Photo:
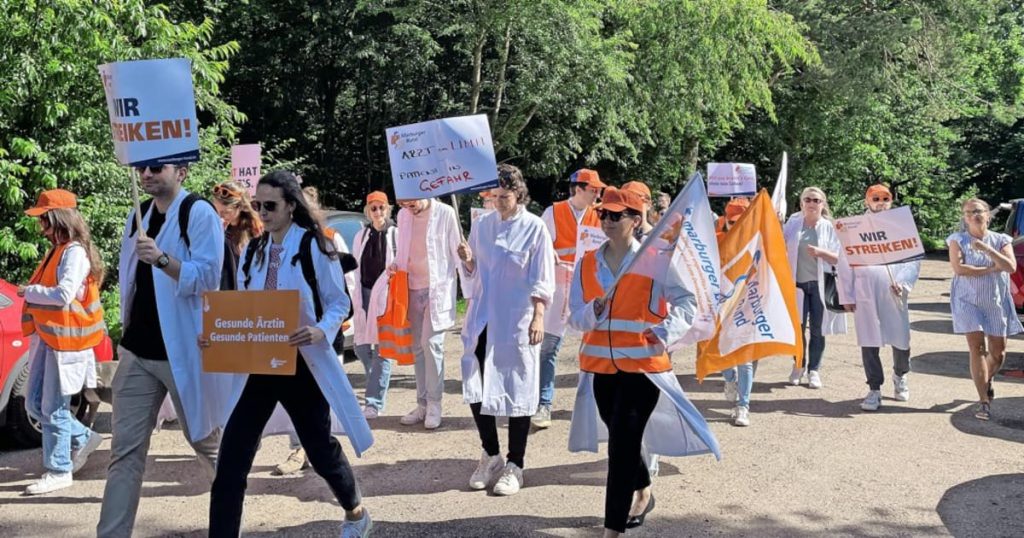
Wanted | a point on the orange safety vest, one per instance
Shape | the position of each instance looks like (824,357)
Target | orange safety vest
(618,344)
(394,333)
(75,327)
(565,229)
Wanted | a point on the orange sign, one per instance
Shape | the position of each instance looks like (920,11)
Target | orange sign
(248,331)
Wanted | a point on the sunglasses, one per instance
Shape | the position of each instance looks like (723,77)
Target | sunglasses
(879,199)
(152,169)
(269,206)
(224,192)
(813,200)
(614,216)
(378,207)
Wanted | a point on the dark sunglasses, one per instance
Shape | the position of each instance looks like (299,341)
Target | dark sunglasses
(156,169)
(224,192)
(259,206)
(614,216)
(877,199)
(812,200)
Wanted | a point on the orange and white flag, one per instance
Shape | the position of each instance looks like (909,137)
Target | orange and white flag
(759,317)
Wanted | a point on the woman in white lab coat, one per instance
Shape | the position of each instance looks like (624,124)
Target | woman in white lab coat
(813,248)
(319,385)
(878,297)
(509,269)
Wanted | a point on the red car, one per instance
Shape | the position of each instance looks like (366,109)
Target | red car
(14,419)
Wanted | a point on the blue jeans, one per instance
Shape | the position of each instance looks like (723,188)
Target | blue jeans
(745,372)
(548,353)
(378,371)
(814,309)
(62,432)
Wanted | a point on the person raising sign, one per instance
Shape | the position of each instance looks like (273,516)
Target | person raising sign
(319,384)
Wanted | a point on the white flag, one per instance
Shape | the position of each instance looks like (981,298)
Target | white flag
(779,193)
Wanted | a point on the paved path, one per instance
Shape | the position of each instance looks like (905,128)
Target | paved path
(811,463)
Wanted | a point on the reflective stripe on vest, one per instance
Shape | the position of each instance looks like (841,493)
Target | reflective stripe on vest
(75,327)
(394,333)
(566,230)
(618,344)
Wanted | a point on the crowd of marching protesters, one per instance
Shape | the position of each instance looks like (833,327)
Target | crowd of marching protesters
(527,280)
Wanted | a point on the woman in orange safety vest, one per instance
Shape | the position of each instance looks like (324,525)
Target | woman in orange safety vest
(627,324)
(63,316)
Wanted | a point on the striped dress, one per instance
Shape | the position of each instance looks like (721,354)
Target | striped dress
(982,303)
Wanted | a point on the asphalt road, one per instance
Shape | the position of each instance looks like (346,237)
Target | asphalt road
(810,464)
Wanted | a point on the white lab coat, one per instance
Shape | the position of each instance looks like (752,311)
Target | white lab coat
(365,326)
(515,262)
(832,322)
(676,427)
(882,318)
(556,319)
(76,369)
(320,357)
(206,397)
(443,238)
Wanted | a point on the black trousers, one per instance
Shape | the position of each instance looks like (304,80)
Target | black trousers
(310,414)
(487,425)
(625,402)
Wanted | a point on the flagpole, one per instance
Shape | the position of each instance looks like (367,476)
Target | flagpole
(133,174)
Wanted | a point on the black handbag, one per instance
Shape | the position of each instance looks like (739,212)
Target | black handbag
(832,293)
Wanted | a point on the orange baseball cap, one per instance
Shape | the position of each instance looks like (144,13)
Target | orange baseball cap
(735,208)
(485,194)
(638,188)
(53,199)
(620,200)
(377,196)
(877,190)
(588,176)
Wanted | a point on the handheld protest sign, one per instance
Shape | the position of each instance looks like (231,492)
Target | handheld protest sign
(246,164)
(248,331)
(440,157)
(731,179)
(880,238)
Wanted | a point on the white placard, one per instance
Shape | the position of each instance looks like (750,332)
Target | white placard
(880,238)
(731,179)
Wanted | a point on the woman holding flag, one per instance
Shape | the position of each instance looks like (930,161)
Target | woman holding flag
(812,246)
(626,376)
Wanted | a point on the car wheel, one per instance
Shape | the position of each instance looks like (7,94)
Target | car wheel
(24,430)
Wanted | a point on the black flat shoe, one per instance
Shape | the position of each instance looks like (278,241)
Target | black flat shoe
(635,521)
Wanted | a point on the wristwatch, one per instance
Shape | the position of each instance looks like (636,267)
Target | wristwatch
(162,261)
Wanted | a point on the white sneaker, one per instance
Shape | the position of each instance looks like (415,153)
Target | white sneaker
(795,375)
(50,481)
(542,419)
(741,416)
(357,529)
(814,379)
(510,481)
(370,412)
(901,388)
(731,391)
(433,419)
(415,416)
(872,401)
(486,470)
(80,456)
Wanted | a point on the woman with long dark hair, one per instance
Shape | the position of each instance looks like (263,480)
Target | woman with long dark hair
(272,262)
(64,317)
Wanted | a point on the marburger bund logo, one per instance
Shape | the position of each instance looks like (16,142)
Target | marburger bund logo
(276,363)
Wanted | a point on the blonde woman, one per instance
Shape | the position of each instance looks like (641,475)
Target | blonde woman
(813,248)
(241,223)
(980,296)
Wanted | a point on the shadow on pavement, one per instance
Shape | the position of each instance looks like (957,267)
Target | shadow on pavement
(938,308)
(1007,421)
(957,364)
(989,506)
(937,326)
(720,410)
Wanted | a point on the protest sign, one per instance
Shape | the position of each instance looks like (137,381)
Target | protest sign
(245,166)
(248,331)
(152,110)
(880,238)
(588,238)
(441,157)
(731,179)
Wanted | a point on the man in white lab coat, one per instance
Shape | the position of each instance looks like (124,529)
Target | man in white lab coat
(428,242)
(878,297)
(563,221)
(162,282)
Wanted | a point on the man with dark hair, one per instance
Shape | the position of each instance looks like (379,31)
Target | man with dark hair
(163,278)
(563,220)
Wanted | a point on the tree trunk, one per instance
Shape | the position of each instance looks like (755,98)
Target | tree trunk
(501,74)
(478,59)
(691,149)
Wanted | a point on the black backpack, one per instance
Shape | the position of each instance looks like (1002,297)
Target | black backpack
(227,272)
(305,257)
